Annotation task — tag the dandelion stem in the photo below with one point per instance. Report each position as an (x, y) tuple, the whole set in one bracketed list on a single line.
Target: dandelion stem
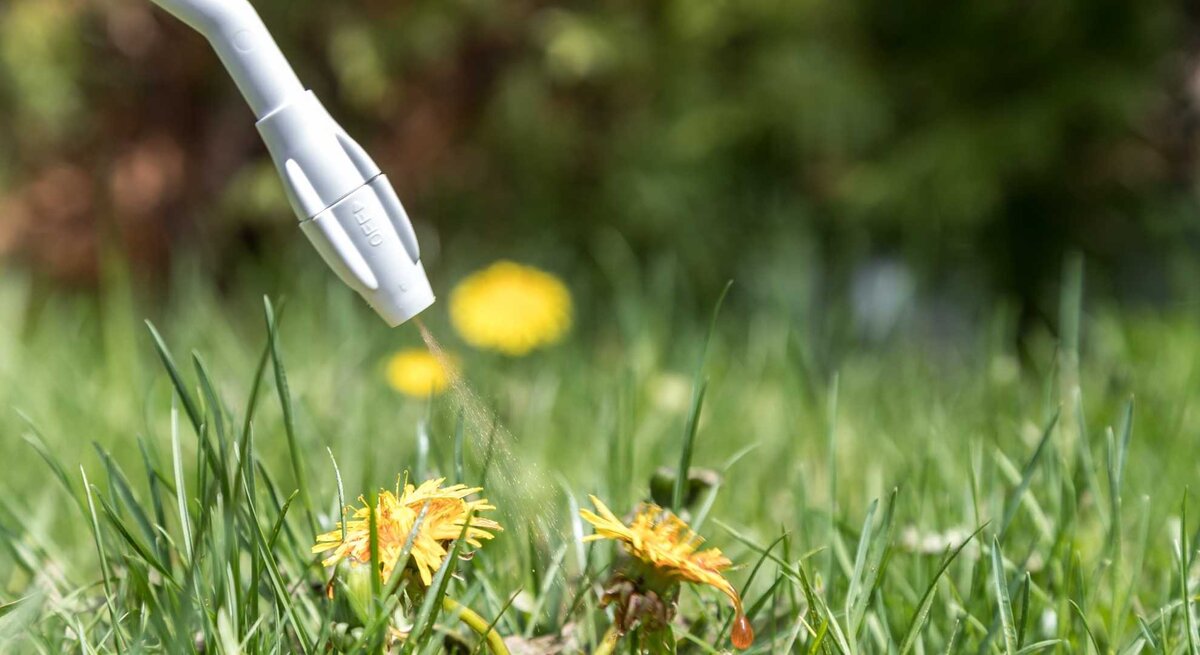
[(609, 643), (476, 623)]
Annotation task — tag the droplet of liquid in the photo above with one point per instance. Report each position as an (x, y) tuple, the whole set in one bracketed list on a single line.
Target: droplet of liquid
[(743, 633)]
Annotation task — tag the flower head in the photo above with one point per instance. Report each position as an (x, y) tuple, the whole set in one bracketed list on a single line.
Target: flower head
[(395, 517), (418, 373), (511, 308), (666, 549)]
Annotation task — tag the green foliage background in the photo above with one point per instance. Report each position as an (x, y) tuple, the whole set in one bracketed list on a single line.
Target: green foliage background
[(761, 139)]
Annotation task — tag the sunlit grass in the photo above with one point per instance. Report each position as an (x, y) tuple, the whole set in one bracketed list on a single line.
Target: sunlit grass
[(906, 497)]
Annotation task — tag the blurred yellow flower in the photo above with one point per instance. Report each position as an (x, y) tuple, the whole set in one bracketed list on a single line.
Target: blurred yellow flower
[(511, 308), (395, 518), (667, 547), (418, 373)]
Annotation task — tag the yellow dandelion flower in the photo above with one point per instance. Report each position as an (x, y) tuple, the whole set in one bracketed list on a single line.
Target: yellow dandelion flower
[(511, 308), (395, 518), (418, 373), (663, 542)]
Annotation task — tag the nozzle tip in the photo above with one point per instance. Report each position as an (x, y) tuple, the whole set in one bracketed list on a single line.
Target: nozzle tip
[(403, 301)]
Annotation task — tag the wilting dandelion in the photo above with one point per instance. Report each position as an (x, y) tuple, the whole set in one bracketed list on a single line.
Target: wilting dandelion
[(447, 514), (663, 553), (418, 373), (511, 308)]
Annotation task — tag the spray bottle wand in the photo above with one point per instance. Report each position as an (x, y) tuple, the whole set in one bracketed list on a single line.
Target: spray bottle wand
[(345, 204)]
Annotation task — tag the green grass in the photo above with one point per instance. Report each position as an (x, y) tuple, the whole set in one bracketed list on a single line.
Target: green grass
[(161, 493)]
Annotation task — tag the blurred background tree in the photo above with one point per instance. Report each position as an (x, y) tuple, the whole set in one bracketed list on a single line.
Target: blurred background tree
[(952, 150)]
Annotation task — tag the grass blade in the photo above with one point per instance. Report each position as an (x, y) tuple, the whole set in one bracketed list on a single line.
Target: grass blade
[(689, 442), (1040, 646), (181, 389), (185, 518), (922, 613), (1118, 449), (699, 388), (120, 485), (341, 492), (105, 568), (56, 466), (1023, 610), (1014, 500), (1183, 554), (289, 417), (285, 601), (1086, 627), (424, 623), (1000, 582), (868, 562)]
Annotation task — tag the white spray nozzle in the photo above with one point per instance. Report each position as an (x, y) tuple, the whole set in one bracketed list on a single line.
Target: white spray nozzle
[(346, 206)]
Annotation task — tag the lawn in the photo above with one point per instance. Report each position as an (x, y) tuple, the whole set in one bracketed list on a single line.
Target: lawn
[(921, 493)]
